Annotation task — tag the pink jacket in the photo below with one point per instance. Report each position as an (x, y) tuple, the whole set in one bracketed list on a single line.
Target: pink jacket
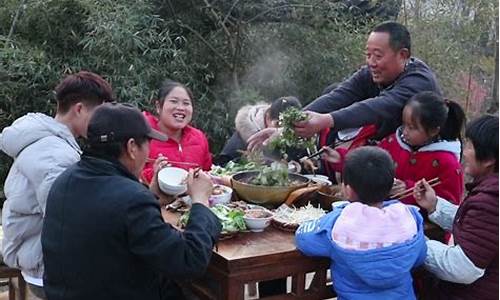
[(192, 148), (440, 159)]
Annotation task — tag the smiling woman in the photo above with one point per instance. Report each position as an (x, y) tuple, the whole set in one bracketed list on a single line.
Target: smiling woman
[(174, 109)]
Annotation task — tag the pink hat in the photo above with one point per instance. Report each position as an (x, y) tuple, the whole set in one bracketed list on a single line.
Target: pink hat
[(364, 227)]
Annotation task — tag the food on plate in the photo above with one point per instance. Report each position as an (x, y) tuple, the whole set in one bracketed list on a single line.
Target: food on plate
[(258, 214), (218, 190), (231, 219), (233, 167), (296, 216)]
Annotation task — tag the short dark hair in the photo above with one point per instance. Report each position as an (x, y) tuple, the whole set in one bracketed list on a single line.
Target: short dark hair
[(86, 87), (483, 133), (369, 171), (167, 86), (432, 111), (399, 36), (281, 104)]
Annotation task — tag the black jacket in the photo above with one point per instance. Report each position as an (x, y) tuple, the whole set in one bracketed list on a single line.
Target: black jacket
[(104, 237), (358, 101)]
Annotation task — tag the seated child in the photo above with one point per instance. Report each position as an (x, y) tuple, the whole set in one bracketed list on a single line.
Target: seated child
[(428, 145), (373, 244)]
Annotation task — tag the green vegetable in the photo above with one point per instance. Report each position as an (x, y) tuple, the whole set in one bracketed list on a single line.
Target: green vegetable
[(274, 175), (231, 219), (288, 139)]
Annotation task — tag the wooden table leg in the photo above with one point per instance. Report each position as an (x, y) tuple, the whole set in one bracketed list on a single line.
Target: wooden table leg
[(232, 290), (299, 284), (22, 288)]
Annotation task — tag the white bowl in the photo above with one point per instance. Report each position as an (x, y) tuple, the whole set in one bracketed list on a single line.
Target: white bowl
[(321, 179), (223, 198), (257, 224), (172, 180)]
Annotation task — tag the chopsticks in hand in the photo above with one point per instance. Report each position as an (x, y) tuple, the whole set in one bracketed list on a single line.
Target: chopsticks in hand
[(320, 151), (408, 192)]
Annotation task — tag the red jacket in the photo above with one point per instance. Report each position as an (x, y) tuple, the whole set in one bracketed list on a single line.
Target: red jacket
[(475, 229), (361, 139), (438, 159), (193, 148)]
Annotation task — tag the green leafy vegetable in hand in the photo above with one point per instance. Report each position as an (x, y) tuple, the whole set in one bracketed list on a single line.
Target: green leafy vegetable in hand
[(287, 138)]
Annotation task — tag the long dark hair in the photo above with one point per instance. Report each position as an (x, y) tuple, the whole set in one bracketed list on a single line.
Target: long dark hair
[(432, 111)]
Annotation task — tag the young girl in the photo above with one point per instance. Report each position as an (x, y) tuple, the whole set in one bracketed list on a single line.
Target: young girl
[(185, 143), (428, 145)]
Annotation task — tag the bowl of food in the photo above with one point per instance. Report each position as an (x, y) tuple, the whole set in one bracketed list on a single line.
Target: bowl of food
[(172, 180), (221, 194), (246, 188), (257, 219), (328, 195)]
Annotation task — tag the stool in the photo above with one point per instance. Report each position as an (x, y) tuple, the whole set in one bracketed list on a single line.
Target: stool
[(11, 273)]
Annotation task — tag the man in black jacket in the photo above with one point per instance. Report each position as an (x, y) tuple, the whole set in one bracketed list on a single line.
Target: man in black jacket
[(104, 236), (375, 94)]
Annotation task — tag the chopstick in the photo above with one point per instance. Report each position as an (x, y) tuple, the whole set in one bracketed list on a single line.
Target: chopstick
[(152, 160), (317, 153), (408, 192)]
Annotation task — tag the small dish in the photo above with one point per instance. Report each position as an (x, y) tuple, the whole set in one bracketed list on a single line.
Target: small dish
[(221, 194), (257, 219)]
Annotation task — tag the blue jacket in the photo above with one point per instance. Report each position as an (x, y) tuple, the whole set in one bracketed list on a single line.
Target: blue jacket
[(383, 273)]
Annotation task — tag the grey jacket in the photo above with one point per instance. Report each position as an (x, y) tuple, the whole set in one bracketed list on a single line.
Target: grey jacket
[(42, 148)]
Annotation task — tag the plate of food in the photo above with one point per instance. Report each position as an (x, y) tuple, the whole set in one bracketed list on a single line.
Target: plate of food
[(289, 218), (231, 219)]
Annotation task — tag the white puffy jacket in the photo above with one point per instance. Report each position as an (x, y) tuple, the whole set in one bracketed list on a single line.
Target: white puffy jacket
[(42, 148)]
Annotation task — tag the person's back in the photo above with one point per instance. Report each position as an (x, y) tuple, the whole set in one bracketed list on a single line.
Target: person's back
[(42, 148), (76, 233), (373, 244), (110, 240)]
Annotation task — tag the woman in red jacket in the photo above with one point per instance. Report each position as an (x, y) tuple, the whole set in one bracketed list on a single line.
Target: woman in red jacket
[(185, 143)]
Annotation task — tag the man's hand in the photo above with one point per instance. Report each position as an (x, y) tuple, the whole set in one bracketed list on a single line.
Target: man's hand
[(315, 123), (425, 196), (261, 138), (199, 187), (159, 164)]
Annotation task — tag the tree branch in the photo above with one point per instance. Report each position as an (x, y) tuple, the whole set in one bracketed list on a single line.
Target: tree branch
[(198, 35), (14, 21), (217, 18)]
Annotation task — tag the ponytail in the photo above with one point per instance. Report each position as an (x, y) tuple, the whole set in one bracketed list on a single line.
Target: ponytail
[(452, 128)]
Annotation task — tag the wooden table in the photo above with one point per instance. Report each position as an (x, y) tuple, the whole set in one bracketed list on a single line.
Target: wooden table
[(253, 257)]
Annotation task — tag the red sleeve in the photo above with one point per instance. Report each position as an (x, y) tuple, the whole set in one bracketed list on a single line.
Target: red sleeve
[(147, 174), (409, 199), (207, 161), (451, 187)]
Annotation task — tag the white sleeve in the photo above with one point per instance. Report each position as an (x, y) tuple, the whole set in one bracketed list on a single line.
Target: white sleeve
[(444, 214), (450, 263)]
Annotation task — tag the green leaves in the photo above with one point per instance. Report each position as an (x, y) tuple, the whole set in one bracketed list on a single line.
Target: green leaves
[(287, 139)]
